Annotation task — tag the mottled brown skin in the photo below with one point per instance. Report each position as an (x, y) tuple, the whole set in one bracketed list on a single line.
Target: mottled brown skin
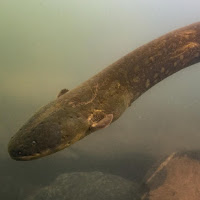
[(103, 98)]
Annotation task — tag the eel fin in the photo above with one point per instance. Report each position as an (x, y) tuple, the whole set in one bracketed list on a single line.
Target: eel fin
[(103, 123), (63, 91)]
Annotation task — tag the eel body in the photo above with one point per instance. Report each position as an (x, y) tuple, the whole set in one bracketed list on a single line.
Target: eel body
[(102, 99)]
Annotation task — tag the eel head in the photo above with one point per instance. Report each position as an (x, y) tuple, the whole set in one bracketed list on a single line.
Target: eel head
[(53, 128), (50, 130)]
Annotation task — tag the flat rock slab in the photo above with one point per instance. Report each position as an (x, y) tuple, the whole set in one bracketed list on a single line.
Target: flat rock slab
[(176, 178), (87, 186)]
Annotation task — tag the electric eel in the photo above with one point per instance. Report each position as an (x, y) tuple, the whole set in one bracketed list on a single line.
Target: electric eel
[(102, 99)]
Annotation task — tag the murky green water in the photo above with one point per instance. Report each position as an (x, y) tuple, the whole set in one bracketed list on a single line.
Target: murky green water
[(48, 45)]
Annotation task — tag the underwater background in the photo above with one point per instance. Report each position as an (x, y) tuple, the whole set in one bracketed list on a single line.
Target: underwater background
[(48, 45)]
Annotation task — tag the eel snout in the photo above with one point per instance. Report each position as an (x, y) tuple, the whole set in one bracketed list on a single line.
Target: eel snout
[(36, 142)]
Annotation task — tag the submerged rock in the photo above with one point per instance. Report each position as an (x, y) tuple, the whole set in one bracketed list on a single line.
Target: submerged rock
[(87, 186), (176, 178)]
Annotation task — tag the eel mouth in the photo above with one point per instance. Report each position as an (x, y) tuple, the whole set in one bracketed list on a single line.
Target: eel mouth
[(27, 158), (47, 152), (30, 157)]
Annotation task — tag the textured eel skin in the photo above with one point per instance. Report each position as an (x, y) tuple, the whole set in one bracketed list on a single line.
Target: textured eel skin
[(102, 99)]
